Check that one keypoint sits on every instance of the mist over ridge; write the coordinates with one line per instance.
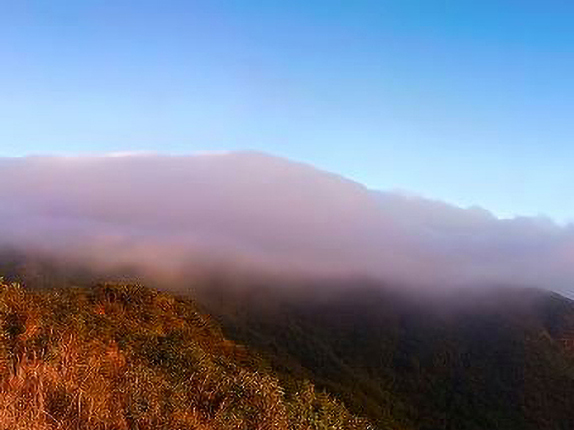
(249, 211)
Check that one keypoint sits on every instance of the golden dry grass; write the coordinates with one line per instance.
(127, 357)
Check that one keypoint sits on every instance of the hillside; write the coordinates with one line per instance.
(298, 354)
(128, 357)
(491, 359)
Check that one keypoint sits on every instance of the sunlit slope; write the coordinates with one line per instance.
(127, 357)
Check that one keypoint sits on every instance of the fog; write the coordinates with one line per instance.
(176, 215)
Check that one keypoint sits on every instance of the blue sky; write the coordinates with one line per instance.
(464, 101)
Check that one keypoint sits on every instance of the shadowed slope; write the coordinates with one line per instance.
(497, 359)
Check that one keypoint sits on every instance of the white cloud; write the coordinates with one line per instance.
(175, 213)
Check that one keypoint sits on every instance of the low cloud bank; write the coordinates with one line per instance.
(173, 215)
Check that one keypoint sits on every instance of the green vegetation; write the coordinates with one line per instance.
(128, 357)
(489, 360)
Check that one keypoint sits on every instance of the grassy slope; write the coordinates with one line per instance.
(127, 357)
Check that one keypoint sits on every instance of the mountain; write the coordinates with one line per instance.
(358, 350)
(318, 303)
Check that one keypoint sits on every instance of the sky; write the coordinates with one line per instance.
(463, 101)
